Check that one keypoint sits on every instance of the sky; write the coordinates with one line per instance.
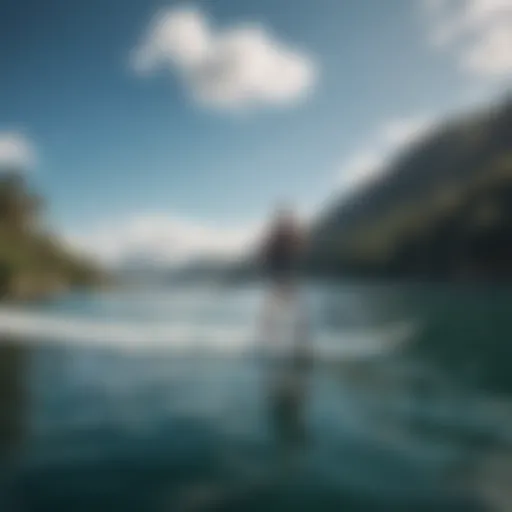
(166, 129)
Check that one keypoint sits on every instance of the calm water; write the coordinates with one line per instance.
(171, 400)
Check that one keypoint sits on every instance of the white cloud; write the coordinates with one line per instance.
(163, 238)
(390, 138)
(493, 55)
(478, 31)
(360, 167)
(400, 132)
(16, 151)
(237, 67)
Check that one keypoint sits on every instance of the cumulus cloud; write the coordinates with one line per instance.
(162, 238)
(478, 31)
(236, 67)
(16, 151)
(390, 138)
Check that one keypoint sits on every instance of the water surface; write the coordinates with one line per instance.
(171, 400)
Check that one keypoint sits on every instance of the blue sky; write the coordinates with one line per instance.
(176, 126)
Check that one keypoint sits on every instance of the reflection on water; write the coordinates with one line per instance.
(13, 361)
(13, 412)
(425, 426)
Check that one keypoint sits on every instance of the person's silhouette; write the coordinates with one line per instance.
(288, 372)
(280, 257)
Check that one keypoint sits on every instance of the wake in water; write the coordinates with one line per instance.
(189, 335)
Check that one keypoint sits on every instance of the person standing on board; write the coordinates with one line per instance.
(287, 379)
(280, 257)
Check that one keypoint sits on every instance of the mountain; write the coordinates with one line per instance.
(33, 261)
(442, 209)
(197, 270)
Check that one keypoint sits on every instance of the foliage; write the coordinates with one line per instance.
(32, 261)
(444, 209)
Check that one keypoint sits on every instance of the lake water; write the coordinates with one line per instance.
(174, 399)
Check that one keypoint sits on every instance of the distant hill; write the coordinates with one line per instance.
(33, 261)
(443, 208)
(198, 270)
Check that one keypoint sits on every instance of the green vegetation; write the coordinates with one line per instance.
(33, 263)
(442, 210)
